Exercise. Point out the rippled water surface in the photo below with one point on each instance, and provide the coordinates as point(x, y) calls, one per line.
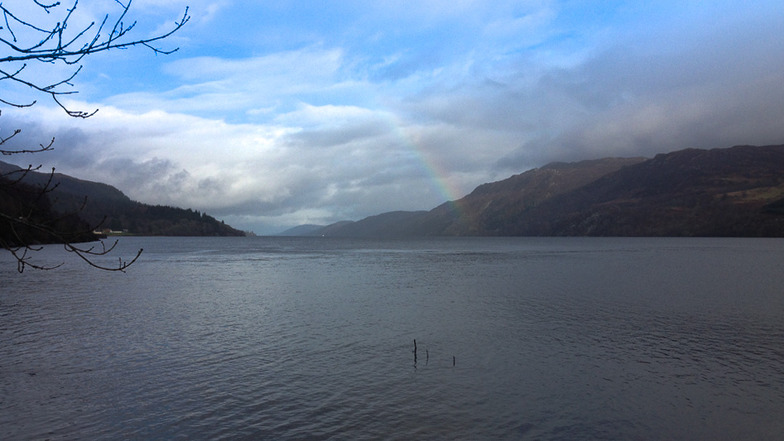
point(294, 338)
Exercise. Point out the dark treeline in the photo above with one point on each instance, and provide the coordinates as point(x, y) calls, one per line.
point(75, 208)
point(28, 218)
point(162, 220)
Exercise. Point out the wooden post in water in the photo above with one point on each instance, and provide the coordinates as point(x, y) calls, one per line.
point(453, 361)
point(415, 352)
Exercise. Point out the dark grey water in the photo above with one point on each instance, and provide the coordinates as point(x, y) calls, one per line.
point(286, 338)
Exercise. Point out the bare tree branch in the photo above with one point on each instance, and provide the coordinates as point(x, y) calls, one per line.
point(20, 249)
point(87, 254)
point(53, 45)
point(24, 40)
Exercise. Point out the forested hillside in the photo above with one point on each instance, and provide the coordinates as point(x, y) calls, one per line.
point(76, 207)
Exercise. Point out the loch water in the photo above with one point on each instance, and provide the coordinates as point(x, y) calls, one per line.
point(313, 339)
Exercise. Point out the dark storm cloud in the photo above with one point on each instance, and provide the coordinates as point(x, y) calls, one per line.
point(715, 89)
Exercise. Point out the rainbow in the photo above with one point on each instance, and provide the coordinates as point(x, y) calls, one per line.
point(433, 169)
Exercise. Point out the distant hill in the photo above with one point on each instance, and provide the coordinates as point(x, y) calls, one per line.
point(107, 208)
point(27, 218)
point(301, 230)
point(737, 191)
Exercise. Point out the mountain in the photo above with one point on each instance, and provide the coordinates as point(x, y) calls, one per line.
point(737, 191)
point(301, 230)
point(104, 207)
point(719, 192)
point(27, 218)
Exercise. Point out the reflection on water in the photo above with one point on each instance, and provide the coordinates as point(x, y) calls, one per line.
point(287, 338)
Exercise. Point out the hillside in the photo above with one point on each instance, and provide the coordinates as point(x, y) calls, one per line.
point(719, 192)
point(737, 191)
point(301, 230)
point(27, 218)
point(104, 207)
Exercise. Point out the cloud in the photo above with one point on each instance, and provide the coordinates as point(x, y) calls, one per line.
point(712, 89)
point(230, 88)
point(402, 105)
point(340, 163)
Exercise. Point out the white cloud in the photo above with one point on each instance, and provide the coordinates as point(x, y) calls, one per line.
point(233, 88)
point(277, 171)
point(408, 98)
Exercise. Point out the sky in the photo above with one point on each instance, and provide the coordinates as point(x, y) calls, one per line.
point(278, 113)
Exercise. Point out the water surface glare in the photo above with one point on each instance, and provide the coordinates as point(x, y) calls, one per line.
point(313, 339)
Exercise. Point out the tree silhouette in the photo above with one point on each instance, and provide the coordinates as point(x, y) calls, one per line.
point(44, 32)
